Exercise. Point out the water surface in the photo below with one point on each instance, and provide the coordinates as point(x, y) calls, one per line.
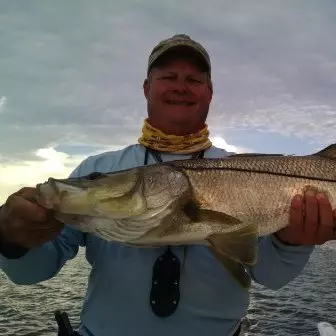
point(292, 310)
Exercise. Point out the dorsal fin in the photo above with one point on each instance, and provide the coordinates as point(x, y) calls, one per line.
point(329, 152)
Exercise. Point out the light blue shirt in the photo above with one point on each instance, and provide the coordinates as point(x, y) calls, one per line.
point(117, 298)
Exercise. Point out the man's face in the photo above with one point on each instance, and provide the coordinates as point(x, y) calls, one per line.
point(178, 97)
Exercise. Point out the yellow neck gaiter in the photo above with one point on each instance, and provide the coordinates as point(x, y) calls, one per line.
point(158, 140)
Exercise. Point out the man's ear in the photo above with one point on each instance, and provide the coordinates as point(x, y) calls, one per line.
point(145, 86)
point(210, 89)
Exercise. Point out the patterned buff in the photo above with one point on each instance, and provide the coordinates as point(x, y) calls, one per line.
point(157, 140)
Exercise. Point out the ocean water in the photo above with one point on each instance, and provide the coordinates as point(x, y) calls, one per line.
point(293, 310)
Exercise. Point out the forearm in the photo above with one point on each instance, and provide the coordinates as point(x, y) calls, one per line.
point(278, 264)
point(44, 262)
point(36, 265)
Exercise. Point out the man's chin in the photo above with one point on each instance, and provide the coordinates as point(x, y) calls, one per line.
point(183, 113)
point(180, 120)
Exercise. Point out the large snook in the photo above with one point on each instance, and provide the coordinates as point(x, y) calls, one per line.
point(224, 203)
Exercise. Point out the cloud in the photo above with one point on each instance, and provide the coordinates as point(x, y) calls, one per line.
point(222, 143)
point(48, 162)
point(315, 123)
point(72, 76)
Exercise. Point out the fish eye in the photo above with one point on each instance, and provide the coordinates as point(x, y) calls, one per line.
point(95, 176)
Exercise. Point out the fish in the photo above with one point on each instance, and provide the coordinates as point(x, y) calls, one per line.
point(224, 203)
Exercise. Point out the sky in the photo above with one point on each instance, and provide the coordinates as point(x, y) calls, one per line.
point(71, 75)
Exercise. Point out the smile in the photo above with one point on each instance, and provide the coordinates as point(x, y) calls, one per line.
point(183, 103)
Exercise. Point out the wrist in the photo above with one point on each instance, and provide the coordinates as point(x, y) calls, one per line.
point(283, 241)
point(11, 250)
point(8, 249)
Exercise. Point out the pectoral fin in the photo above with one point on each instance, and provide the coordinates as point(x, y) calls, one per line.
point(197, 214)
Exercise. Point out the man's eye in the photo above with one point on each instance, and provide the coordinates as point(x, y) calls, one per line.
point(194, 80)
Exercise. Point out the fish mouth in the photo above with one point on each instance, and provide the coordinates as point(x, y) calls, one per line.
point(47, 194)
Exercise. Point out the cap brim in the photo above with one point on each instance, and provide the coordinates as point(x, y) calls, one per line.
point(179, 46)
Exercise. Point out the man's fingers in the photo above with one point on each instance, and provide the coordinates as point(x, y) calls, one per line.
point(290, 233)
point(311, 222)
point(26, 223)
point(25, 209)
point(326, 215)
point(295, 216)
point(311, 215)
point(27, 192)
point(23, 203)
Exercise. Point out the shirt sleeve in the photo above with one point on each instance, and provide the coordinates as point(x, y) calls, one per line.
point(278, 264)
point(44, 262)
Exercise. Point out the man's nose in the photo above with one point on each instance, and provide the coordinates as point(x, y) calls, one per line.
point(180, 85)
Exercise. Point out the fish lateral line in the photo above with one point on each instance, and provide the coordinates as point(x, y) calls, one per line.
point(303, 177)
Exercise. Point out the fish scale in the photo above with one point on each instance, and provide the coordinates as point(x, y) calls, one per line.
point(310, 166)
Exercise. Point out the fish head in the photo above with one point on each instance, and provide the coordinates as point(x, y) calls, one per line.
point(93, 195)
point(117, 195)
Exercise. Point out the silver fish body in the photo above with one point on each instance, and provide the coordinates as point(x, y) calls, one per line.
point(224, 203)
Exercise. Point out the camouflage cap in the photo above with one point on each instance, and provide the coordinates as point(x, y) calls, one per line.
point(178, 40)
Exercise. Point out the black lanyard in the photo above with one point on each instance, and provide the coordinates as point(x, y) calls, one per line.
point(165, 291)
point(158, 159)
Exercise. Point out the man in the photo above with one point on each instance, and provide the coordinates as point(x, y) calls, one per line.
point(135, 291)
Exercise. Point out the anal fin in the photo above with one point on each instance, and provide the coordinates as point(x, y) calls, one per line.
point(236, 270)
point(235, 250)
point(240, 245)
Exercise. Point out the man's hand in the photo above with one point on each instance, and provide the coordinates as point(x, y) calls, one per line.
point(25, 223)
point(312, 221)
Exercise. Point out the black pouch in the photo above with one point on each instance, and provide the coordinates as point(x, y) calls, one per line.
point(165, 291)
